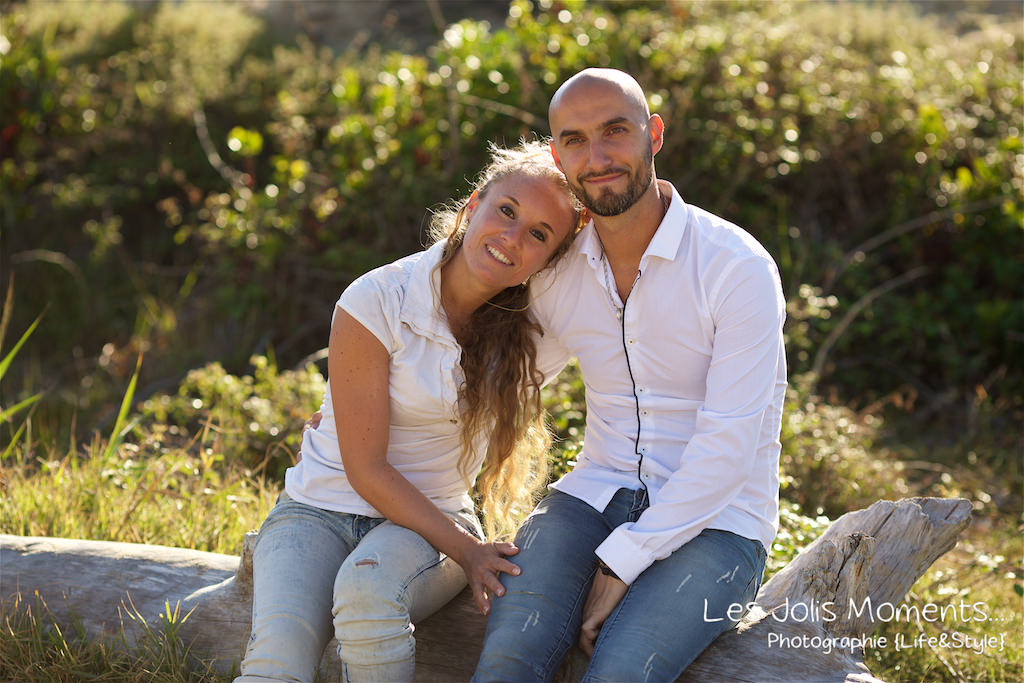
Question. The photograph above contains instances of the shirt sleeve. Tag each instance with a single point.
(374, 305)
(552, 355)
(742, 388)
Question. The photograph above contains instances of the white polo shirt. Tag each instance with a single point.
(684, 387)
(400, 305)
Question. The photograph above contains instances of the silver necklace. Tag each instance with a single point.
(609, 284)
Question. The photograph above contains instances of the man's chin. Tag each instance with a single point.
(607, 206)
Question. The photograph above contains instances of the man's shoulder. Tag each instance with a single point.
(711, 231)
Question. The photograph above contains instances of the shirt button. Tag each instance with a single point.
(644, 412)
(632, 341)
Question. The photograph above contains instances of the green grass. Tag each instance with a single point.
(34, 648)
(141, 492)
(165, 485)
(983, 641)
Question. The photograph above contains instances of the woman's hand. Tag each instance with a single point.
(604, 595)
(482, 562)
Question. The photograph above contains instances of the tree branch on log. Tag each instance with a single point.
(866, 558)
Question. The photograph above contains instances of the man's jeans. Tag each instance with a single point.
(671, 612)
(375, 577)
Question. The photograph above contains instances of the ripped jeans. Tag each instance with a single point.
(672, 611)
(363, 580)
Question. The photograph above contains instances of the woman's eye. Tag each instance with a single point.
(539, 235)
(507, 210)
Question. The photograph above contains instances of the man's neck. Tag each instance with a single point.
(625, 237)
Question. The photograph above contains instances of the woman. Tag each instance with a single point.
(432, 378)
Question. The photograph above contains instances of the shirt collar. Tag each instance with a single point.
(664, 244)
(421, 306)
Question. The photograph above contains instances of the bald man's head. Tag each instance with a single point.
(604, 139)
(611, 79)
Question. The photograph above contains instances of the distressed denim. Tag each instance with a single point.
(364, 580)
(671, 612)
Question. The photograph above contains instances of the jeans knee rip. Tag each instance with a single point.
(372, 561)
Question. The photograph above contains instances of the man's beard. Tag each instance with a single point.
(608, 203)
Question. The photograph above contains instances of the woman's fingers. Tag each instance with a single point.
(506, 549)
(482, 600)
(507, 567)
(485, 570)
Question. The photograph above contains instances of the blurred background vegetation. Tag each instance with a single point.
(195, 183)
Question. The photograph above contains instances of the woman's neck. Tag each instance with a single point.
(461, 295)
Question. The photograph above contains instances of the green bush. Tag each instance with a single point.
(206, 193)
(254, 419)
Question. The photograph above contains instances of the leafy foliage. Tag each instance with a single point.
(875, 152)
(175, 180)
(255, 419)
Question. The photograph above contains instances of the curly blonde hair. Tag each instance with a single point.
(501, 393)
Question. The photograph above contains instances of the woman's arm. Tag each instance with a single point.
(358, 367)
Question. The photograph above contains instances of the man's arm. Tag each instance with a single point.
(743, 390)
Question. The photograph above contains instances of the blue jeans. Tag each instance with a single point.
(671, 612)
(363, 580)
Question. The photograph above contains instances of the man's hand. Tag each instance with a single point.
(604, 595)
(312, 423)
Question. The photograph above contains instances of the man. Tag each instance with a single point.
(656, 541)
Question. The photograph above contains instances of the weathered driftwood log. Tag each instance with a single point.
(835, 588)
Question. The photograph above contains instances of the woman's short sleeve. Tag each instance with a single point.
(374, 302)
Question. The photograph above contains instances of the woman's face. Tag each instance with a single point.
(514, 229)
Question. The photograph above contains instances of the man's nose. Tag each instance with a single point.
(599, 156)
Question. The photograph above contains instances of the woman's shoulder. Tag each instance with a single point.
(391, 277)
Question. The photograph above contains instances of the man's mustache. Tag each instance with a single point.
(603, 172)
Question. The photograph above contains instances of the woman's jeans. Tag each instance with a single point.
(363, 580)
(671, 612)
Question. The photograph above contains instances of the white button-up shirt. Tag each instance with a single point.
(400, 305)
(685, 382)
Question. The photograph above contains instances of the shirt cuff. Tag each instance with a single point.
(625, 558)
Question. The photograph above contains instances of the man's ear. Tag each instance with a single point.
(656, 127)
(554, 155)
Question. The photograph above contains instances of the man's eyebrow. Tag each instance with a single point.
(610, 122)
